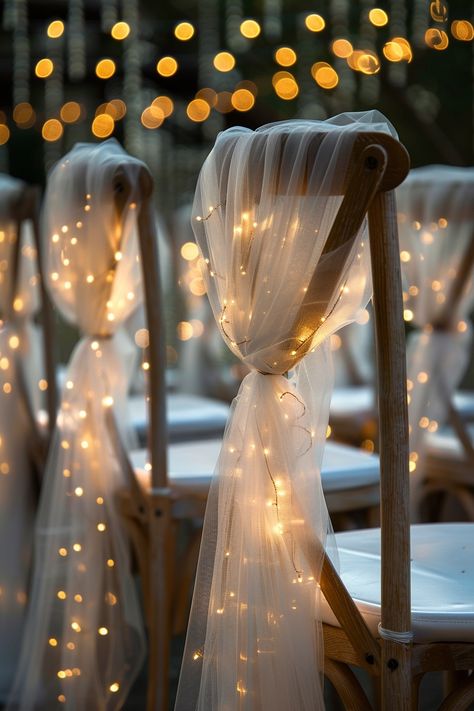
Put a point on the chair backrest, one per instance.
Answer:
(436, 225)
(20, 205)
(93, 210)
(279, 218)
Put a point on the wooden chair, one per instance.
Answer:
(172, 485)
(373, 621)
(21, 205)
(24, 439)
(435, 214)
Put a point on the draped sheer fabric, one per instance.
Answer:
(20, 372)
(436, 228)
(83, 642)
(262, 214)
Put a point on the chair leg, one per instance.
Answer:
(396, 680)
(346, 685)
(160, 592)
(184, 583)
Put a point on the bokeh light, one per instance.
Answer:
(24, 115)
(70, 112)
(209, 95)
(243, 100)
(105, 68)
(326, 77)
(184, 31)
(165, 104)
(4, 134)
(286, 88)
(198, 110)
(285, 56)
(44, 68)
(436, 39)
(52, 130)
(342, 48)
(224, 61)
(462, 30)
(103, 125)
(189, 251)
(152, 117)
(368, 62)
(438, 11)
(184, 330)
(55, 29)
(167, 66)
(120, 30)
(250, 29)
(224, 102)
(378, 17)
(314, 22)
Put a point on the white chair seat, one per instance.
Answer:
(350, 477)
(187, 416)
(446, 444)
(442, 579)
(358, 400)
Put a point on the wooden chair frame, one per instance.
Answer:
(397, 666)
(379, 164)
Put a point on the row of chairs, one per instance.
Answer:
(153, 503)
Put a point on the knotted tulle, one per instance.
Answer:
(20, 372)
(83, 643)
(436, 227)
(262, 215)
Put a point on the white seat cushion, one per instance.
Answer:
(187, 416)
(352, 401)
(442, 579)
(446, 444)
(345, 472)
(359, 399)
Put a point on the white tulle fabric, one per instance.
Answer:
(20, 371)
(436, 223)
(83, 642)
(252, 640)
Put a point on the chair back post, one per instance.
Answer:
(394, 449)
(157, 430)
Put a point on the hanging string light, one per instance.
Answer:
(77, 40)
(234, 16)
(419, 23)
(108, 14)
(397, 70)
(369, 81)
(54, 93)
(132, 81)
(21, 52)
(208, 48)
(272, 19)
(343, 97)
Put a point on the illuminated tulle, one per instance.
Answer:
(253, 641)
(83, 641)
(20, 369)
(435, 227)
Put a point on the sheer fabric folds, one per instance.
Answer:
(83, 642)
(436, 228)
(20, 372)
(262, 214)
